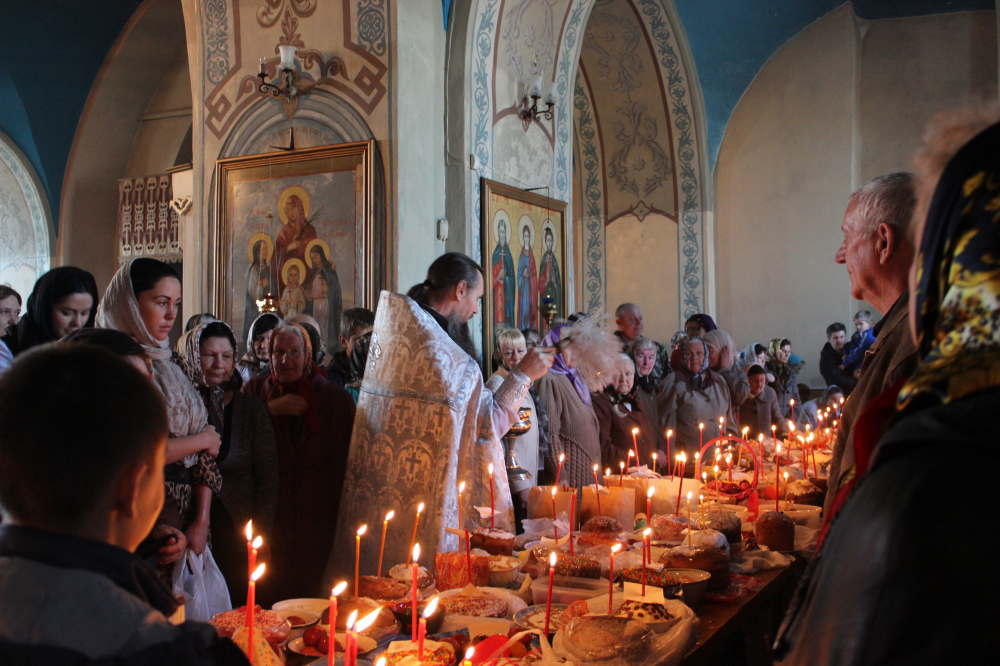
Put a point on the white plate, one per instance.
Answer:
(310, 605)
(365, 644)
(309, 618)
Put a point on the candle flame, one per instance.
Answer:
(249, 530)
(631, 453)
(696, 455)
(615, 548)
(258, 572)
(670, 434)
(257, 543)
(607, 471)
(595, 467)
(654, 455)
(562, 457)
(635, 431)
(792, 402)
(690, 495)
(416, 552)
(646, 532)
(420, 507)
(800, 438)
(777, 448)
(716, 470)
(468, 653)
(392, 514)
(701, 426)
(554, 489)
(621, 465)
(701, 498)
(431, 607)
(380, 662)
(461, 488)
(791, 427)
(683, 457)
(339, 589)
(362, 530)
(704, 476)
(490, 469)
(649, 493)
(351, 619)
(760, 437)
(553, 558)
(786, 476)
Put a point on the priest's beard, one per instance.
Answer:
(459, 332)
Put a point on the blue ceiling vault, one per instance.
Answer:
(48, 64)
(732, 39)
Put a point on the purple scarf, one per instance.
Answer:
(559, 366)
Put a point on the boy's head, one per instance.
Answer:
(862, 321)
(836, 335)
(82, 443)
(354, 323)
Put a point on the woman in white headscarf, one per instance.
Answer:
(722, 359)
(142, 300)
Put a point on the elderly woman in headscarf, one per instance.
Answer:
(619, 413)
(880, 522)
(786, 381)
(254, 362)
(722, 359)
(63, 300)
(811, 409)
(313, 420)
(573, 427)
(694, 395)
(643, 352)
(142, 300)
(247, 460)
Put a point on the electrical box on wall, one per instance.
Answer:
(442, 229)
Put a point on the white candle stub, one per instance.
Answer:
(485, 511)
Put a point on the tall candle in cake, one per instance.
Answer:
(416, 524)
(381, 548)
(611, 578)
(357, 557)
(416, 575)
(548, 601)
(334, 593)
(562, 459)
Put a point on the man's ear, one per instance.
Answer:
(343, 342)
(461, 289)
(127, 489)
(886, 242)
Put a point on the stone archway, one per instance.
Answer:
(640, 176)
(25, 221)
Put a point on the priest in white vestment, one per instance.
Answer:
(425, 422)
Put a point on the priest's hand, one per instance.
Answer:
(288, 405)
(537, 362)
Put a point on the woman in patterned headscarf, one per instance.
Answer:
(883, 517)
(313, 420)
(142, 300)
(247, 460)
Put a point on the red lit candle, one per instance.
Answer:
(381, 548)
(649, 504)
(555, 530)
(669, 433)
(562, 459)
(611, 578)
(647, 540)
(431, 608)
(777, 473)
(461, 489)
(251, 602)
(621, 474)
(357, 557)
(492, 500)
(681, 462)
(416, 574)
(336, 592)
(701, 436)
(416, 523)
(597, 492)
(572, 519)
(548, 601)
(348, 636)
(251, 556)
(635, 445)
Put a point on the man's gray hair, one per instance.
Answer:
(888, 199)
(623, 308)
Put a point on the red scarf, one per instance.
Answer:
(272, 389)
(868, 430)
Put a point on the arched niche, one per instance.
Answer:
(321, 119)
(146, 52)
(640, 182)
(25, 221)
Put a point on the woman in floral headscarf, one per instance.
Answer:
(142, 300)
(247, 460)
(865, 598)
(313, 420)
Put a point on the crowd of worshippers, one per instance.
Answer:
(102, 423)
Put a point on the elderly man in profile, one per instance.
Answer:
(628, 317)
(877, 250)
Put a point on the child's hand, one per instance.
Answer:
(840, 367)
